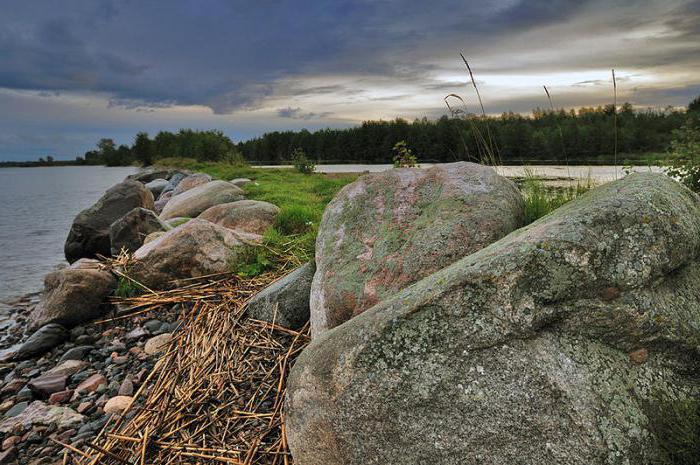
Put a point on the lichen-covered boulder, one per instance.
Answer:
(286, 301)
(194, 201)
(388, 230)
(74, 295)
(190, 182)
(250, 216)
(196, 248)
(129, 231)
(574, 340)
(89, 235)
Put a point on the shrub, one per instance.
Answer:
(684, 159)
(403, 157)
(301, 162)
(235, 158)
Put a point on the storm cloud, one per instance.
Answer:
(74, 71)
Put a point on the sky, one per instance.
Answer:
(74, 71)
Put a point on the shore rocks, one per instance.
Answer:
(388, 230)
(519, 353)
(39, 413)
(249, 216)
(286, 301)
(73, 296)
(117, 405)
(194, 201)
(45, 338)
(157, 344)
(89, 234)
(129, 231)
(157, 186)
(196, 248)
(240, 182)
(190, 182)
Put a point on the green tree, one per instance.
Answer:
(143, 149)
(694, 105)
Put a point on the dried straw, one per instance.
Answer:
(218, 391)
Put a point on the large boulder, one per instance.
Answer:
(286, 301)
(250, 216)
(73, 296)
(194, 201)
(156, 186)
(574, 340)
(129, 231)
(388, 230)
(196, 248)
(89, 235)
(190, 182)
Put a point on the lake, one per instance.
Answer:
(37, 207)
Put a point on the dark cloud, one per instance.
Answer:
(298, 113)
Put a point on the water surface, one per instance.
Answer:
(37, 207)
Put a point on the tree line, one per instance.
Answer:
(583, 136)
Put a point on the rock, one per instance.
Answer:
(136, 334)
(158, 344)
(16, 409)
(73, 296)
(89, 234)
(126, 388)
(510, 355)
(197, 248)
(13, 386)
(157, 186)
(150, 174)
(173, 182)
(117, 405)
(240, 182)
(194, 201)
(9, 455)
(286, 301)
(190, 182)
(250, 216)
(388, 230)
(45, 338)
(84, 407)
(48, 383)
(11, 441)
(129, 231)
(39, 413)
(76, 353)
(91, 384)
(68, 367)
(60, 397)
(162, 201)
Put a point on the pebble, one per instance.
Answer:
(76, 353)
(61, 397)
(9, 455)
(48, 383)
(126, 388)
(16, 409)
(157, 344)
(11, 441)
(92, 383)
(153, 325)
(84, 407)
(117, 405)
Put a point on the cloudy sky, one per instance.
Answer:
(72, 71)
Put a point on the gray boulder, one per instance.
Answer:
(151, 173)
(89, 235)
(190, 182)
(173, 182)
(388, 230)
(73, 296)
(249, 216)
(156, 186)
(44, 339)
(574, 340)
(196, 248)
(240, 182)
(129, 231)
(286, 301)
(194, 201)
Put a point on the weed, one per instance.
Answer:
(403, 156)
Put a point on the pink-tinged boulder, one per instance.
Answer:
(89, 235)
(196, 200)
(190, 182)
(118, 404)
(388, 230)
(196, 248)
(249, 216)
(74, 295)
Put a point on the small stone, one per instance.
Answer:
(126, 388)
(76, 353)
(13, 386)
(136, 333)
(7, 405)
(61, 397)
(48, 383)
(9, 455)
(136, 350)
(153, 325)
(639, 356)
(24, 394)
(91, 384)
(117, 405)
(120, 359)
(16, 409)
(157, 344)
(84, 407)
(10, 442)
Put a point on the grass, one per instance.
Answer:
(300, 197)
(541, 199)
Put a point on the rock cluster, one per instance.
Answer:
(573, 340)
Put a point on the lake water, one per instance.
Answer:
(37, 207)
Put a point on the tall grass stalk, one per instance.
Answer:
(614, 121)
(561, 133)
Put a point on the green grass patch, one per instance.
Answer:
(541, 199)
(127, 288)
